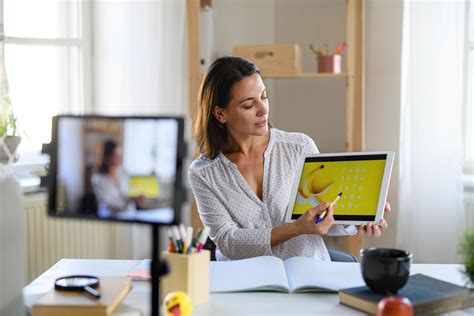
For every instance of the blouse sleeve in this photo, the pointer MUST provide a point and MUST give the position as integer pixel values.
(342, 230)
(233, 241)
(310, 146)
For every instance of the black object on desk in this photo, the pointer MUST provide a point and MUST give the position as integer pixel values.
(385, 271)
(78, 283)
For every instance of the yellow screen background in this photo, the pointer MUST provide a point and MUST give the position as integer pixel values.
(359, 181)
(143, 185)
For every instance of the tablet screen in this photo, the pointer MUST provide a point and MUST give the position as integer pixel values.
(359, 178)
(117, 168)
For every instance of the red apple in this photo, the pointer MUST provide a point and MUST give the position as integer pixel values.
(395, 306)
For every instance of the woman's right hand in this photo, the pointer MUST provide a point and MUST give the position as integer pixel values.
(306, 223)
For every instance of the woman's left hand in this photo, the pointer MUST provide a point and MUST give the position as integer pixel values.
(371, 229)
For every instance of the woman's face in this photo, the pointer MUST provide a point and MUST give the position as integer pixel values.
(247, 112)
(115, 159)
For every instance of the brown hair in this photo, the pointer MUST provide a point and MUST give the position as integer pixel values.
(108, 150)
(215, 90)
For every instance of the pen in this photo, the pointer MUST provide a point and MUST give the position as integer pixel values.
(321, 215)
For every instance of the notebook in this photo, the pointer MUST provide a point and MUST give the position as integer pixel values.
(141, 272)
(294, 275)
(55, 303)
(428, 296)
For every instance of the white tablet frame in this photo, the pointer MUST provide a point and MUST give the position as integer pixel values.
(383, 190)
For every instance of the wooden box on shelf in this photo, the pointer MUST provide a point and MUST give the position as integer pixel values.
(272, 59)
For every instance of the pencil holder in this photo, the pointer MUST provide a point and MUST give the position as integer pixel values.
(330, 64)
(188, 273)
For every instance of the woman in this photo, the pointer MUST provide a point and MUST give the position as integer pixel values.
(243, 177)
(110, 183)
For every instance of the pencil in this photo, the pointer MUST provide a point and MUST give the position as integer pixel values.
(321, 215)
(336, 199)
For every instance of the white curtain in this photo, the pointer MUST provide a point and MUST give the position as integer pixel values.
(431, 152)
(139, 57)
(139, 67)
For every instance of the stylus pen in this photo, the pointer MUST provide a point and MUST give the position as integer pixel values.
(321, 215)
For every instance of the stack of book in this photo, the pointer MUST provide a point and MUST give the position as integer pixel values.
(428, 296)
(55, 303)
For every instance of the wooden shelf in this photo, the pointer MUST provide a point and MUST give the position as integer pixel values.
(306, 75)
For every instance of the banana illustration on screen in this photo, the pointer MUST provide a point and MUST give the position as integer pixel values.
(313, 188)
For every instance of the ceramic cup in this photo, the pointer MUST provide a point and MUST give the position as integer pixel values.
(385, 271)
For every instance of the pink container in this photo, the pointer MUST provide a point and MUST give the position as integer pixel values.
(330, 64)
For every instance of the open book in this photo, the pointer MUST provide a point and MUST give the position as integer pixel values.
(297, 274)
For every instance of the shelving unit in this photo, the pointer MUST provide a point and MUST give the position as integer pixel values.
(355, 88)
(307, 75)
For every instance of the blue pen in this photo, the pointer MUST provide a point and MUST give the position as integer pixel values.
(320, 216)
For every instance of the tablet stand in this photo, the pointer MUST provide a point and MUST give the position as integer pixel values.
(158, 269)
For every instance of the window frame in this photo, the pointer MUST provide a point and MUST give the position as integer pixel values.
(35, 163)
(468, 99)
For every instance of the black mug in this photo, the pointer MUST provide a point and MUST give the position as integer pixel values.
(385, 271)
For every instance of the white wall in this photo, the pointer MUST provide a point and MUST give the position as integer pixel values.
(315, 106)
(383, 85)
(242, 22)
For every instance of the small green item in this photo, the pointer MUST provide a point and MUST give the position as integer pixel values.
(7, 118)
(467, 250)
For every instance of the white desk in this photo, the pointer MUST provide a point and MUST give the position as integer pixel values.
(224, 303)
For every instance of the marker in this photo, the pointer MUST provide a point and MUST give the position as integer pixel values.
(196, 238)
(189, 240)
(171, 246)
(183, 237)
(321, 215)
(182, 232)
(176, 236)
(203, 238)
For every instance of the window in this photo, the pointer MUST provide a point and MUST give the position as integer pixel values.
(469, 91)
(44, 60)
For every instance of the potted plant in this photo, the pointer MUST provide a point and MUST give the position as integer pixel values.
(467, 251)
(9, 137)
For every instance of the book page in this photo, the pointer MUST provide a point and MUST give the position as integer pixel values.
(265, 273)
(310, 275)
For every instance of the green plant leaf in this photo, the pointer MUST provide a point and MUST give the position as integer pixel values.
(466, 248)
